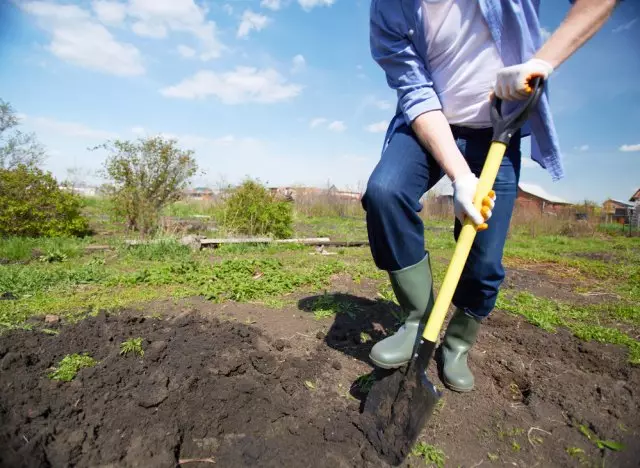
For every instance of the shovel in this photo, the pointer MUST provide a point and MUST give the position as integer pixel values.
(399, 404)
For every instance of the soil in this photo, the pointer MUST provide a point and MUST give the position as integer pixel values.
(238, 385)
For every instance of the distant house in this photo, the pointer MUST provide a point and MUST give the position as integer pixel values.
(299, 193)
(531, 195)
(617, 211)
(635, 198)
(199, 193)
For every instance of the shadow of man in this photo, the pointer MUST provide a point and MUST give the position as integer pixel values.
(358, 324)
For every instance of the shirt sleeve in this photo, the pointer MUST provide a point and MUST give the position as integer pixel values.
(394, 52)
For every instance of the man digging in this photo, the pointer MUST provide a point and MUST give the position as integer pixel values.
(445, 58)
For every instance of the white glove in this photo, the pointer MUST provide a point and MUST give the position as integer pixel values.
(512, 83)
(464, 190)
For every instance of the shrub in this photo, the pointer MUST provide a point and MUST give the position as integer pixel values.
(33, 205)
(146, 176)
(252, 210)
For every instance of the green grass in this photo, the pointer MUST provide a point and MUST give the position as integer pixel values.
(432, 456)
(68, 367)
(132, 345)
(582, 321)
(23, 249)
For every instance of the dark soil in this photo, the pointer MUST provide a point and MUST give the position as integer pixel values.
(274, 391)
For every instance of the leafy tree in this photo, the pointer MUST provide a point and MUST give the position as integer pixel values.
(252, 210)
(32, 204)
(17, 147)
(146, 175)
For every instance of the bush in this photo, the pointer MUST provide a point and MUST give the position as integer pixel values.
(33, 205)
(146, 176)
(252, 210)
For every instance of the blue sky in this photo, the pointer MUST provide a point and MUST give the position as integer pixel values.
(280, 90)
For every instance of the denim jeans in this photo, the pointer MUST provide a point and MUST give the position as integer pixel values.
(392, 204)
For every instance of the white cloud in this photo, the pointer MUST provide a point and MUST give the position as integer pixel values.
(155, 18)
(185, 51)
(625, 26)
(72, 129)
(582, 148)
(109, 12)
(274, 5)
(317, 121)
(228, 9)
(251, 21)
(628, 148)
(307, 5)
(137, 130)
(242, 85)
(529, 163)
(154, 31)
(298, 63)
(337, 126)
(80, 40)
(377, 127)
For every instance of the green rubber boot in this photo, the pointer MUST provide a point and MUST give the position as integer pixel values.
(460, 336)
(413, 289)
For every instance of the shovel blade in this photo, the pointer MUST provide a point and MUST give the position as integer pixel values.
(398, 406)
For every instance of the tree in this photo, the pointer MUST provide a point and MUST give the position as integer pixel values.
(32, 204)
(146, 175)
(17, 147)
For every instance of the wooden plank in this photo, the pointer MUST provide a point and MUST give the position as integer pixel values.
(307, 240)
(236, 240)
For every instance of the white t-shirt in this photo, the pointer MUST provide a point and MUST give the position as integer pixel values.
(463, 59)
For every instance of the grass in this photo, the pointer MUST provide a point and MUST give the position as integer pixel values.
(582, 321)
(56, 275)
(432, 455)
(132, 345)
(69, 366)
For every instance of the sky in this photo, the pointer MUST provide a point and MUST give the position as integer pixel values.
(284, 91)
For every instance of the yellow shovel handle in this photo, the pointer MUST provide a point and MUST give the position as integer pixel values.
(463, 246)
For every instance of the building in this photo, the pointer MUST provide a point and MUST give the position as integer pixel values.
(534, 196)
(199, 193)
(617, 211)
(530, 197)
(635, 198)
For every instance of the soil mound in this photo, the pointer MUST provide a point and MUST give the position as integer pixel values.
(218, 392)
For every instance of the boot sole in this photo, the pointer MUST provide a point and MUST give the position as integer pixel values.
(387, 366)
(458, 389)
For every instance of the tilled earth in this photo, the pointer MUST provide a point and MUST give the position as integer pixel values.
(239, 385)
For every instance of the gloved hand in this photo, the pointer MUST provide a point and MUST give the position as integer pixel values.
(464, 190)
(512, 83)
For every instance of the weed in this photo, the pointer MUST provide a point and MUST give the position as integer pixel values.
(515, 446)
(132, 345)
(365, 382)
(601, 444)
(70, 365)
(430, 454)
(492, 457)
(364, 337)
(310, 385)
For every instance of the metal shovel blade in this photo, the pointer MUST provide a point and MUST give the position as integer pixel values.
(398, 406)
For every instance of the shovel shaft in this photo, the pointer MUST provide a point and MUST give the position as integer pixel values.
(463, 245)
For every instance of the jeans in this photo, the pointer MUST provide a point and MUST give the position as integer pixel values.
(405, 172)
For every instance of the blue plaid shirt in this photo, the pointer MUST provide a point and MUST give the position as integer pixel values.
(398, 45)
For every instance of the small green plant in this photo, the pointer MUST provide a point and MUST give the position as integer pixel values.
(601, 444)
(132, 345)
(492, 456)
(53, 256)
(70, 365)
(365, 382)
(429, 453)
(515, 446)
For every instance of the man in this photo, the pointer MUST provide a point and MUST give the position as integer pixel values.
(444, 58)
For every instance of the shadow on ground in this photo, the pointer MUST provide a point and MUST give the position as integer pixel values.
(358, 323)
